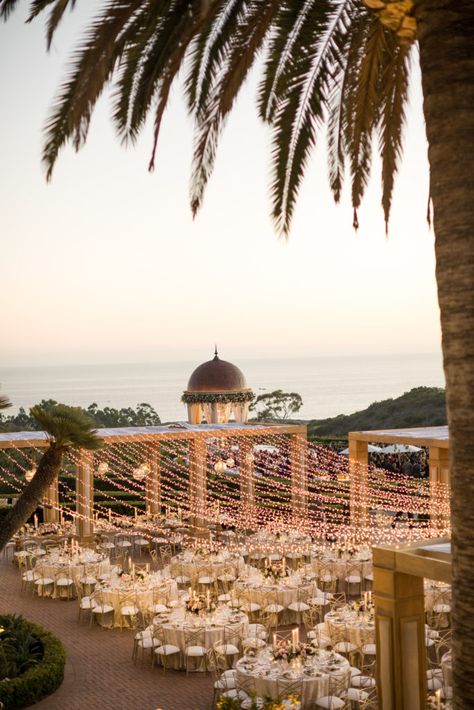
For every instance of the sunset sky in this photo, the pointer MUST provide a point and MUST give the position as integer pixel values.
(105, 264)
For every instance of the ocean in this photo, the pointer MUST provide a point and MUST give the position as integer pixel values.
(328, 385)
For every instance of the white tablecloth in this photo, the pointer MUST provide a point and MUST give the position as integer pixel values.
(271, 676)
(211, 627)
(141, 594)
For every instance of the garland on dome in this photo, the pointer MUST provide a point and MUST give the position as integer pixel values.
(217, 397)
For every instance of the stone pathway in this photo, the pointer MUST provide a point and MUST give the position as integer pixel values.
(99, 673)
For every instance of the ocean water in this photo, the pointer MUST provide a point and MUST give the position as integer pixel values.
(328, 385)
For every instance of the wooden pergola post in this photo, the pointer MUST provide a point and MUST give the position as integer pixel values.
(299, 485)
(51, 503)
(247, 480)
(153, 483)
(358, 470)
(398, 593)
(198, 483)
(85, 495)
(400, 635)
(440, 478)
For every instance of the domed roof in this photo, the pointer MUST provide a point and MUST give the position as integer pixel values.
(217, 375)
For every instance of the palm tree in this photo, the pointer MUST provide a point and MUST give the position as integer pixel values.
(69, 428)
(343, 64)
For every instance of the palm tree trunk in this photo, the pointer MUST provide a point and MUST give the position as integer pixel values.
(446, 41)
(48, 468)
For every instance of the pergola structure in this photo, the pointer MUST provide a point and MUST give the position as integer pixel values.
(198, 437)
(398, 592)
(435, 438)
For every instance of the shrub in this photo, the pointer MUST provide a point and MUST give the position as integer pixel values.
(36, 655)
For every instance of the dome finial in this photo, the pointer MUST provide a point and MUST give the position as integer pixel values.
(216, 356)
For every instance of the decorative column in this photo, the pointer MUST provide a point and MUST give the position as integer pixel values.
(51, 503)
(153, 483)
(358, 471)
(299, 486)
(440, 479)
(400, 635)
(247, 480)
(85, 495)
(198, 483)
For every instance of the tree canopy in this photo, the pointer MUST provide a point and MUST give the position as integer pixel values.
(276, 405)
(143, 415)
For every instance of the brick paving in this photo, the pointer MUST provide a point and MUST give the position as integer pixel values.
(99, 673)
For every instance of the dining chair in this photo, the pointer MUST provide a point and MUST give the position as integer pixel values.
(165, 648)
(194, 649)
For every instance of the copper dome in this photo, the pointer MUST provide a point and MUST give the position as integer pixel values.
(217, 376)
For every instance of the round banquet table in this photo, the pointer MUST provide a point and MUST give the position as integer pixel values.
(262, 591)
(212, 626)
(339, 565)
(358, 628)
(270, 677)
(141, 593)
(76, 567)
(194, 566)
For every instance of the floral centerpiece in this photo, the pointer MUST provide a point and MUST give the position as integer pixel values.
(275, 572)
(286, 650)
(365, 606)
(198, 603)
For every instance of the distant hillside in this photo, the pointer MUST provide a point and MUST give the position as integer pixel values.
(421, 406)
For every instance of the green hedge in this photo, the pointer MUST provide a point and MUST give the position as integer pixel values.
(40, 680)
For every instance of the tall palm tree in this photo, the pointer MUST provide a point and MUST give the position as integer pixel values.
(344, 64)
(68, 428)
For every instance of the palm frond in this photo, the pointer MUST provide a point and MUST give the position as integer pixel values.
(92, 66)
(362, 103)
(301, 107)
(394, 90)
(55, 16)
(4, 402)
(6, 8)
(68, 427)
(247, 42)
(208, 49)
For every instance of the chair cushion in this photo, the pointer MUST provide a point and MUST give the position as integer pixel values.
(441, 608)
(298, 606)
(356, 695)
(226, 578)
(370, 649)
(129, 610)
(167, 649)
(274, 608)
(42, 581)
(254, 641)
(251, 606)
(330, 702)
(102, 609)
(362, 681)
(148, 642)
(87, 603)
(257, 630)
(205, 580)
(353, 579)
(227, 648)
(195, 651)
(225, 684)
(157, 608)
(182, 579)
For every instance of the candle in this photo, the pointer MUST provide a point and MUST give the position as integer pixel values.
(135, 513)
(35, 520)
(110, 515)
(190, 592)
(438, 699)
(208, 598)
(274, 640)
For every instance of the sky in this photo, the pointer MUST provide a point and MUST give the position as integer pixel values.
(106, 264)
